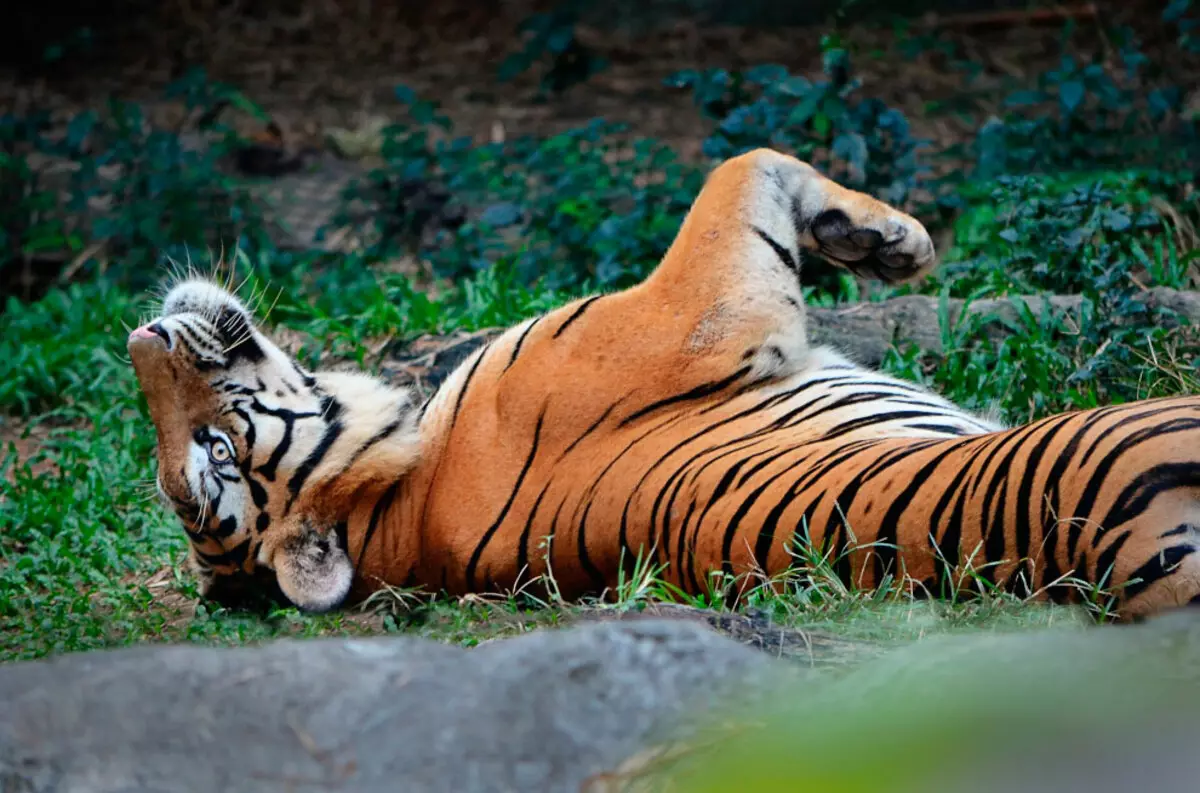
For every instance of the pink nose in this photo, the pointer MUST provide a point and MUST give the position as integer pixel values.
(143, 332)
(152, 330)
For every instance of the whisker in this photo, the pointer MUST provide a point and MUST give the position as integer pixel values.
(273, 302)
(257, 298)
(242, 285)
(238, 341)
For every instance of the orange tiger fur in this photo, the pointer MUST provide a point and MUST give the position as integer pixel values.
(686, 420)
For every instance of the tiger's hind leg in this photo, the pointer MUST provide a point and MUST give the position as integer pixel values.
(734, 268)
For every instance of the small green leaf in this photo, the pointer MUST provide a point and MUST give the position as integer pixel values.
(1070, 95)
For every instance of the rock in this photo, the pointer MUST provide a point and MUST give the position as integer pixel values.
(544, 711)
(865, 331)
(612, 705)
(808, 648)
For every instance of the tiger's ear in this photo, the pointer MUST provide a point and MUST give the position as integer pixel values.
(312, 569)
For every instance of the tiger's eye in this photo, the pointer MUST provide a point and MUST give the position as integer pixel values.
(219, 452)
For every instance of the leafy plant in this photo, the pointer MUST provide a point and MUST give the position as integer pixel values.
(31, 227)
(1084, 115)
(559, 210)
(551, 36)
(1189, 27)
(133, 192)
(859, 141)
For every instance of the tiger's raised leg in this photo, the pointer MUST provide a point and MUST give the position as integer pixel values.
(735, 264)
(552, 428)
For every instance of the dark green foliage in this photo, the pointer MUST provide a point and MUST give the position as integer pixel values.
(1084, 116)
(162, 193)
(859, 141)
(551, 37)
(1180, 13)
(563, 210)
(1061, 234)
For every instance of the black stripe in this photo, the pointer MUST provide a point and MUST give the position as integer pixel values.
(624, 551)
(699, 392)
(381, 506)
(333, 431)
(381, 435)
(623, 534)
(1106, 560)
(595, 425)
(680, 563)
(847, 427)
(584, 306)
(942, 429)
(1182, 528)
(520, 340)
(783, 253)
(843, 502)
(1132, 417)
(1137, 495)
(1024, 519)
(1159, 566)
(512, 496)
(717, 493)
(948, 547)
(1051, 506)
(425, 406)
(268, 469)
(1099, 476)
(308, 380)
(992, 523)
(885, 554)
(784, 396)
(462, 392)
(766, 532)
(523, 543)
(289, 418)
(748, 503)
(585, 559)
(258, 493)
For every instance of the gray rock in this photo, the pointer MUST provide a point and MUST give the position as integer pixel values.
(544, 711)
(865, 331)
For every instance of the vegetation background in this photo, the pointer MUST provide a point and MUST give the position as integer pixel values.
(386, 179)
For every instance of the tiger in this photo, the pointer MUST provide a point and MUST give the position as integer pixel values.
(685, 421)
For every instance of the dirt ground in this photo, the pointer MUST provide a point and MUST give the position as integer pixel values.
(27, 441)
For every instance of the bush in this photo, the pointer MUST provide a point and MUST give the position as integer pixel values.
(859, 141)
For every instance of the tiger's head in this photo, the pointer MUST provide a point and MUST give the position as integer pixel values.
(261, 459)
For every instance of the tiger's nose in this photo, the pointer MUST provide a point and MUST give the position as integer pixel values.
(150, 331)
